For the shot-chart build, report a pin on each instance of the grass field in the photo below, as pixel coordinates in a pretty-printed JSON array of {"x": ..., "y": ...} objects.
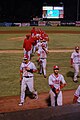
[
  {"x": 60, "y": 28},
  {"x": 10, "y": 63}
]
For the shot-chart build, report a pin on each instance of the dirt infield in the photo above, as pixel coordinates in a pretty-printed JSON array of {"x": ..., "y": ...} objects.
[
  {"x": 10, "y": 104},
  {"x": 47, "y": 31}
]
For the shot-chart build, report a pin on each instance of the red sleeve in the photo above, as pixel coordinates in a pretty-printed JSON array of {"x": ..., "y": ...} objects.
[
  {"x": 24, "y": 43},
  {"x": 38, "y": 54},
  {"x": 51, "y": 86},
  {"x": 71, "y": 61},
  {"x": 21, "y": 71},
  {"x": 62, "y": 85}
]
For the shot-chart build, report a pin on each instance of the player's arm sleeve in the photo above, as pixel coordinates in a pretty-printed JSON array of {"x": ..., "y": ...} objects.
[
  {"x": 50, "y": 80},
  {"x": 21, "y": 72},
  {"x": 53, "y": 88},
  {"x": 46, "y": 50},
  {"x": 38, "y": 53},
  {"x": 24, "y": 44},
  {"x": 38, "y": 56},
  {"x": 62, "y": 83},
  {"x": 34, "y": 68},
  {"x": 51, "y": 85},
  {"x": 71, "y": 60}
]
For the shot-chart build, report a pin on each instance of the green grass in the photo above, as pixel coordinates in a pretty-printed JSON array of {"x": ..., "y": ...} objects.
[
  {"x": 61, "y": 41},
  {"x": 57, "y": 41},
  {"x": 10, "y": 63},
  {"x": 11, "y": 41},
  {"x": 72, "y": 28},
  {"x": 9, "y": 74}
]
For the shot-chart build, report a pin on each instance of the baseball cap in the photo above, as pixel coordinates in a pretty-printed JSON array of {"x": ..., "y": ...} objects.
[
  {"x": 33, "y": 28},
  {"x": 27, "y": 35},
  {"x": 25, "y": 57},
  {"x": 77, "y": 47},
  {"x": 56, "y": 67}
]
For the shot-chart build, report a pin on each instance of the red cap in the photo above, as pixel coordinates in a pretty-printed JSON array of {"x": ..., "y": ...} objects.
[
  {"x": 56, "y": 67},
  {"x": 27, "y": 35},
  {"x": 25, "y": 57},
  {"x": 33, "y": 28}
]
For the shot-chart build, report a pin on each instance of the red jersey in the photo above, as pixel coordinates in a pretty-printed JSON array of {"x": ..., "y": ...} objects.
[
  {"x": 27, "y": 44},
  {"x": 33, "y": 40},
  {"x": 33, "y": 31}
]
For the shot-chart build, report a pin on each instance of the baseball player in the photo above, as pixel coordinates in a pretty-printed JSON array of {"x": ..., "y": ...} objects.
[
  {"x": 39, "y": 45},
  {"x": 42, "y": 55},
  {"x": 27, "y": 68},
  {"x": 33, "y": 31},
  {"x": 75, "y": 62},
  {"x": 56, "y": 83},
  {"x": 27, "y": 46},
  {"x": 45, "y": 43},
  {"x": 77, "y": 95}
]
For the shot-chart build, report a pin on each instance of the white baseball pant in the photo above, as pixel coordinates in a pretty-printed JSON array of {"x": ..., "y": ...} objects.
[
  {"x": 76, "y": 70},
  {"x": 59, "y": 98},
  {"x": 26, "y": 82}
]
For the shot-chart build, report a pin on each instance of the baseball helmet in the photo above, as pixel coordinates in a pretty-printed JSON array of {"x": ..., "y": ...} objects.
[
  {"x": 56, "y": 67},
  {"x": 77, "y": 48}
]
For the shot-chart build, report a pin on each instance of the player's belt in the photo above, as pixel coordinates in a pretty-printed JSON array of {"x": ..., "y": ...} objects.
[
  {"x": 28, "y": 76},
  {"x": 77, "y": 63},
  {"x": 42, "y": 58}
]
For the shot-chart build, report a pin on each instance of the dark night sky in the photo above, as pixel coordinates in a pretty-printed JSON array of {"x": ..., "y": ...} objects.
[{"x": 24, "y": 10}]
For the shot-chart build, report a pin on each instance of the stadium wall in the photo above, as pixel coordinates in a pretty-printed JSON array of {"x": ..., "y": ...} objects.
[{"x": 42, "y": 23}]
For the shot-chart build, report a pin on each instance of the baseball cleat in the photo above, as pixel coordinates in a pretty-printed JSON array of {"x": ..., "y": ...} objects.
[
  {"x": 78, "y": 76},
  {"x": 36, "y": 95},
  {"x": 20, "y": 104}
]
